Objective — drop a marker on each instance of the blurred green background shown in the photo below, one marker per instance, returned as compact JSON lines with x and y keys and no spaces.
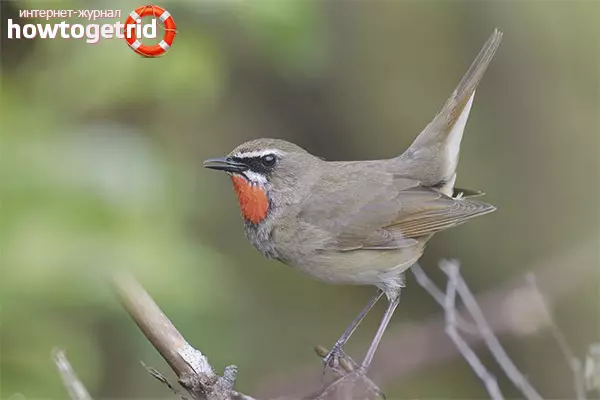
{"x":101,"y":154}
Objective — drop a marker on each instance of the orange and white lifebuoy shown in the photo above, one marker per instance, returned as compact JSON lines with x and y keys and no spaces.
{"x":167,"y":40}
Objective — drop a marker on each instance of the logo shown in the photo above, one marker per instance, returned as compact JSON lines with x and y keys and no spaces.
{"x":133,"y":31}
{"x":134,"y":21}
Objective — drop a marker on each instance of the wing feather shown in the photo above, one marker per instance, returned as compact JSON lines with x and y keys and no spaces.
{"x":393,"y":213}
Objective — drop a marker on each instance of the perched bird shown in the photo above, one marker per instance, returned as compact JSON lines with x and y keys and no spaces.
{"x":358,"y":222}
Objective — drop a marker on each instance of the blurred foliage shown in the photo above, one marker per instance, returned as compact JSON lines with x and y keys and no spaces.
{"x":101,"y":169}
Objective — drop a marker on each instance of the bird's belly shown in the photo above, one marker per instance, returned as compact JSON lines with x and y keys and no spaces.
{"x":359,"y":267}
{"x":382,"y":268}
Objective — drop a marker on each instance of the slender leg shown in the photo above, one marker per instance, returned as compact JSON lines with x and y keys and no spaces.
{"x":339,"y":344}
{"x":393,"y":303}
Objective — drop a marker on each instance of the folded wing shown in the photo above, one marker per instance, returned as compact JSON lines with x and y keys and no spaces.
{"x":388,"y":216}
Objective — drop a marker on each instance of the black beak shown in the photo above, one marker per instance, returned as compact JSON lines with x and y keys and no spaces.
{"x":225,"y":164}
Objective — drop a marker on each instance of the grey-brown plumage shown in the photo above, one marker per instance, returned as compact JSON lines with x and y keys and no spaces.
{"x":359,"y":222}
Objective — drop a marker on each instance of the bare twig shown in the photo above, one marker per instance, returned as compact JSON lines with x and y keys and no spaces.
{"x":192,"y":368}
{"x":194,"y":372}
{"x":468,"y":354}
{"x":75,"y":388}
{"x":427,"y":284}
{"x":440,"y":298}
{"x":574,"y":363}
{"x":489,"y":337}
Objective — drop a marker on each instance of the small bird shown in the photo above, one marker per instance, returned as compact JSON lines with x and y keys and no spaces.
{"x":358,"y":222}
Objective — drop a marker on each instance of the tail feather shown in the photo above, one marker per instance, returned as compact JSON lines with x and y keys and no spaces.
{"x":433,"y":155}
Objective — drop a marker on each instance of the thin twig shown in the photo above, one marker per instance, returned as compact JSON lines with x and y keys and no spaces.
{"x":75,"y":388}
{"x":488,"y":379}
{"x":490,"y":338}
{"x":440,"y":298}
{"x":427,"y":284}
{"x":574,"y":363}
{"x":192,"y":368}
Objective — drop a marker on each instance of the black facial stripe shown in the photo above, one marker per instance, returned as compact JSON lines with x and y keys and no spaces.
{"x":255,"y":164}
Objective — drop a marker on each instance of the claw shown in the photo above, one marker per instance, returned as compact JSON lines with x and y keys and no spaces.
{"x":333,"y":357}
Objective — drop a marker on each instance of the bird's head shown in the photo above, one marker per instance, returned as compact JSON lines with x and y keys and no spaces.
{"x":267,"y":173}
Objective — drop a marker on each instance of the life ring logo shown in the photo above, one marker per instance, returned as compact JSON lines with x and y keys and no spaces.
{"x":133,"y":26}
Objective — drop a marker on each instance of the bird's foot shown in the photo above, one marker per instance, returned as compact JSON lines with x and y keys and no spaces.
{"x":336,"y":358}
{"x":333,"y":356}
{"x":347,"y":371}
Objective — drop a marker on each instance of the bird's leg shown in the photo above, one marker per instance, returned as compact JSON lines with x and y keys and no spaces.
{"x":337,"y":350}
{"x":392,"y":304}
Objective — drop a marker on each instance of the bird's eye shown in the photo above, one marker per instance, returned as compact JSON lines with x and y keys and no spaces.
{"x":268,"y":160}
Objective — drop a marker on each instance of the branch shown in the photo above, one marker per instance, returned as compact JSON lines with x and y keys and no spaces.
{"x":70,"y":380}
{"x":468,"y":354}
{"x":440,"y":298}
{"x":490,"y":339}
{"x":192,"y":368}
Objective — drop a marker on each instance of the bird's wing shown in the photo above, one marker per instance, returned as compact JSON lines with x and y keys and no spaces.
{"x":385,"y":211}
{"x":436,"y":215}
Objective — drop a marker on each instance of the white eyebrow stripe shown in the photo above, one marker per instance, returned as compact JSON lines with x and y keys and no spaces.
{"x":255,"y":177}
{"x":259,"y":153}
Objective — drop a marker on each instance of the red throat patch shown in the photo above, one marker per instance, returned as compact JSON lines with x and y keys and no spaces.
{"x":253,"y":200}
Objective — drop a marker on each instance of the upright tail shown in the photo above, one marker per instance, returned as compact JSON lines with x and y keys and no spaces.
{"x":433,"y":156}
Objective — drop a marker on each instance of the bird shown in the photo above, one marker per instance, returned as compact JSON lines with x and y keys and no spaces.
{"x":358,"y":222}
